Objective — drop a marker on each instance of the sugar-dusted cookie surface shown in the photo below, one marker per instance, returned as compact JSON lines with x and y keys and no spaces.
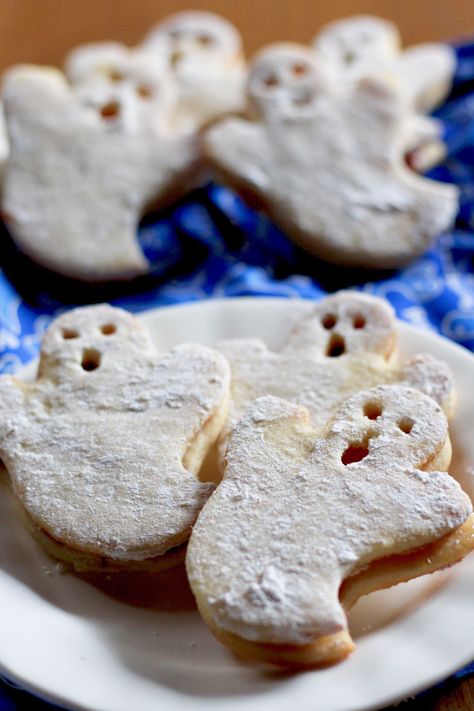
{"x":103,"y":449}
{"x":299,"y":513}
{"x":358,"y":45}
{"x":84,"y":166}
{"x":327,"y":161}
{"x":115,"y":63}
{"x":361,"y":45}
{"x":206,"y":57}
{"x":346,"y":343}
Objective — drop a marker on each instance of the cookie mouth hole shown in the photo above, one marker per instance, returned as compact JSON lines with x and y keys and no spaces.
{"x":354,"y":453}
{"x":336,"y":346}
{"x":144,"y":91}
{"x":110,"y":110}
{"x":372,"y":410}
{"x":303,"y":100}
{"x":90,"y":359}
{"x":406,"y":424}
{"x":69,"y":334}
{"x":176,"y":58}
{"x":349,"y":57}
{"x":328,"y":321}
{"x":108,"y":329}
{"x":358,"y":321}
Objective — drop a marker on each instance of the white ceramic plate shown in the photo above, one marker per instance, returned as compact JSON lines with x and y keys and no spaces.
{"x":85,"y":646}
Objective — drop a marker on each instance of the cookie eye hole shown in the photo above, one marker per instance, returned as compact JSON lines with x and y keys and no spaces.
{"x":108,"y":329}
{"x":328,"y":321}
{"x":69,"y":334}
{"x":205,"y":40}
{"x":372,"y":410}
{"x":144,"y":91}
{"x":90,"y":359}
{"x":270,"y":80}
{"x":299,"y":69}
{"x":354,"y":453}
{"x":358,"y":321}
{"x":110,"y":110}
{"x":115,"y":75}
{"x":336,"y":346}
{"x":175,"y":58}
{"x":406,"y":424}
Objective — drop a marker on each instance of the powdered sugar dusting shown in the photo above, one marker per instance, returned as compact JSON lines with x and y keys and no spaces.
{"x":303,"y":372}
{"x":95,"y":447}
{"x":291,"y":521}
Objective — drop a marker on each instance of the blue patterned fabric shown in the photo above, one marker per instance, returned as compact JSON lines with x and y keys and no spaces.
{"x":212,"y":245}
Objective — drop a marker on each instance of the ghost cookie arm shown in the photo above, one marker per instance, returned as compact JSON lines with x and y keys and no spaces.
{"x":29,"y":89}
{"x":195,"y":402}
{"x":240,"y":150}
{"x":426,"y":72}
{"x":432,"y":377}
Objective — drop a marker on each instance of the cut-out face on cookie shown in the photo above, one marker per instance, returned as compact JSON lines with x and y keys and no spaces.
{"x":296,"y":515}
{"x":196,"y":36}
{"x":112,"y":66}
{"x":205,"y":55}
{"x":83,"y":168}
{"x":103,"y":449}
{"x":354,"y":45}
{"x":298,"y":158}
{"x":346,"y":343}
{"x":361,"y":46}
{"x":286,"y":81}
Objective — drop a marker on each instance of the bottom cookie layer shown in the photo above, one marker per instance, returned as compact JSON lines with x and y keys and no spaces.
{"x":378,"y":575}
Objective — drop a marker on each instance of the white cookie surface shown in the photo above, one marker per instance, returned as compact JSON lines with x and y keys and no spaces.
{"x":347,"y":343}
{"x":205,"y":54}
{"x":103,"y":449}
{"x":84,"y":166}
{"x":328,"y":162}
{"x":365,"y":45}
{"x":296,"y":515}
{"x":352,"y":46}
{"x":356,"y":46}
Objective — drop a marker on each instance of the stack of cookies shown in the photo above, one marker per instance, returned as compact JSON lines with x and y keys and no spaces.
{"x":328,"y":138}
{"x":332,"y":456}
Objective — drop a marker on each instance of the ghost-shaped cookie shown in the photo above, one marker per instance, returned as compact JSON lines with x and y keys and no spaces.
{"x":346,"y":343}
{"x":362,"y":45}
{"x":206,"y":58}
{"x":84,"y":166}
{"x":104,"y":447}
{"x":327,"y":161}
{"x":299,"y":513}
{"x":356,"y":46}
